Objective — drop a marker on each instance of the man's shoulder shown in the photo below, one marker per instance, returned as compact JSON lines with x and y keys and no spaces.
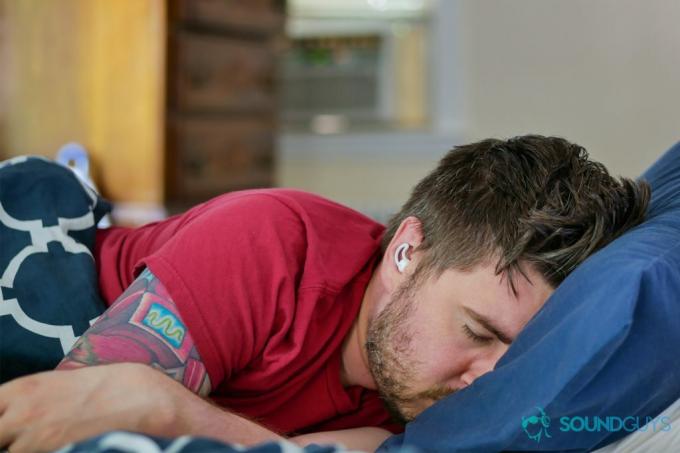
{"x":282,"y":203}
{"x":292,"y":198}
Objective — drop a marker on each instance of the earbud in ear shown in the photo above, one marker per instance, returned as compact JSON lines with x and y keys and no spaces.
{"x":400,"y":258}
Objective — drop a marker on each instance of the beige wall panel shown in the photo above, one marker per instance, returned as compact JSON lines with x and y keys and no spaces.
{"x":375,"y":186}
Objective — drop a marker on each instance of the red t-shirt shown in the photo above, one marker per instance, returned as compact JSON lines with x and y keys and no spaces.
{"x":268,"y":283}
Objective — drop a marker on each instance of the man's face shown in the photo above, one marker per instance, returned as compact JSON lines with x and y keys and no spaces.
{"x":438,"y":336}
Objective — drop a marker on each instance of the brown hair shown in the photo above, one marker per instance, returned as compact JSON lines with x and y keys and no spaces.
{"x":529,"y":199}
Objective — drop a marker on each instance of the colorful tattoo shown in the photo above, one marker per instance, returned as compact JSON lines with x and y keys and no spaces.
{"x":165,"y":323}
{"x":143,"y":325}
{"x":151,"y":315}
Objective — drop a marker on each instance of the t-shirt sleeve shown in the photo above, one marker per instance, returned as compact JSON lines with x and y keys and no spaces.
{"x":228,"y":270}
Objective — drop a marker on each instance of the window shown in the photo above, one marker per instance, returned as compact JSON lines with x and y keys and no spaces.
{"x":356,"y":66}
{"x":369,"y":74}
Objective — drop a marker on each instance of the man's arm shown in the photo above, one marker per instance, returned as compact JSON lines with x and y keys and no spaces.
{"x":45,"y":411}
{"x":143,"y":325}
{"x":48,"y":410}
{"x":362,"y":439}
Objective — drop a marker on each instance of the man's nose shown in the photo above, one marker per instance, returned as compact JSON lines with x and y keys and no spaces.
{"x":482,"y":364}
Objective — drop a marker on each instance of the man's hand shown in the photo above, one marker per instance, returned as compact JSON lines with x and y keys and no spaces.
{"x":45,"y":411}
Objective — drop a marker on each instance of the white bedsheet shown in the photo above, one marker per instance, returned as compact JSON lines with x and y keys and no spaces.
{"x":648,"y":440}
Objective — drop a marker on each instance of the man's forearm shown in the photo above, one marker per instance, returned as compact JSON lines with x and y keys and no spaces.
{"x":366,"y":438}
{"x":45,"y":411}
{"x":180,"y":412}
{"x":191,"y":414}
{"x":200,"y":417}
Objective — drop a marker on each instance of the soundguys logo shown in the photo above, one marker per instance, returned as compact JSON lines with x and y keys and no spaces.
{"x":537,"y":426}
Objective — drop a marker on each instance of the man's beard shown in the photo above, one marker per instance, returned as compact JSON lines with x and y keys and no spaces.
{"x":390,"y":360}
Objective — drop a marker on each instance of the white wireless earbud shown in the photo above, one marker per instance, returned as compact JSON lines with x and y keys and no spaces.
{"x":400,"y":258}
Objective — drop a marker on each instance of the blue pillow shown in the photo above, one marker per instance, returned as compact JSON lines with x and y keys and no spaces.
{"x":596,"y":363}
{"x":48,"y":281}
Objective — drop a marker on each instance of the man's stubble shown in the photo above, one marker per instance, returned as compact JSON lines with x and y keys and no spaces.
{"x":390,"y":356}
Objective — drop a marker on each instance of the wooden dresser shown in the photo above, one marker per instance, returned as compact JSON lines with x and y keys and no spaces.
{"x":221,"y":97}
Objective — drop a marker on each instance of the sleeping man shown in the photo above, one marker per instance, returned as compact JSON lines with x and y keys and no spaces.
{"x":282,"y":314}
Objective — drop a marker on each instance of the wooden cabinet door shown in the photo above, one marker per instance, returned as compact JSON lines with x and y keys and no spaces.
{"x":214,"y":155}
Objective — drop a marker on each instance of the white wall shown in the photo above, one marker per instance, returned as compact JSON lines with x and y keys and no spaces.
{"x":605,"y":74}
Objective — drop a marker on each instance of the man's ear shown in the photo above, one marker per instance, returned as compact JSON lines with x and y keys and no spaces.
{"x":401,"y":258}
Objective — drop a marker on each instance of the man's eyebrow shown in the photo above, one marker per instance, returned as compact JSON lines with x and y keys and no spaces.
{"x":489,"y":325}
